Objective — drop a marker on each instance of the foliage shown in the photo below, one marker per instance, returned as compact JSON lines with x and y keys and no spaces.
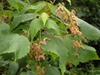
{"x":42,"y":39}
{"x":88,"y":10}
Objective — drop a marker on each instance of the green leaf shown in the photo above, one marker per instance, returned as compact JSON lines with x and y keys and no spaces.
{"x":44,"y":16}
{"x":89,"y":53}
{"x":22,"y":3}
{"x":3,"y":63}
{"x":86,"y":54}
{"x":50,"y":47}
{"x":21,"y":29}
{"x":17,"y":4}
{"x":8,"y":13}
{"x":33,"y":8}
{"x":35,"y":26}
{"x":19,"y":45}
{"x":50,"y":24}
{"x":88,"y":30}
{"x":54,"y":55}
{"x":20,"y":62}
{"x":53,"y":9}
{"x":27,"y":8}
{"x":21,"y":18}
{"x":27,"y":73}
{"x":4,"y":29}
{"x":13,"y":3}
{"x":39,"y":6}
{"x":50,"y":70}
{"x":13,"y":68}
{"x":7,"y":56}
{"x":69,"y":1}
{"x":56,"y":46}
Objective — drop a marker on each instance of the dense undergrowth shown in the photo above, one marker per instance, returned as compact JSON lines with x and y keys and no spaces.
{"x":44,"y":38}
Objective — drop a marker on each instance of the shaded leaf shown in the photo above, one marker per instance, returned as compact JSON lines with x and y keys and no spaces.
{"x":53,"y":9}
{"x":27,"y":8}
{"x":13,"y":68}
{"x":35,"y":26}
{"x":8,"y":13}
{"x":50,"y":70}
{"x":3,"y":63}
{"x":20,"y":62}
{"x":7,"y":56}
{"x":50,"y":24}
{"x":19,"y":45}
{"x":27,"y":73}
{"x":88,"y":30}
{"x":21,"y":18}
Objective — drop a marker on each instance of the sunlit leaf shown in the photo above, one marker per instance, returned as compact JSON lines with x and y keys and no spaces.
{"x":21,"y":18}
{"x":44,"y":16}
{"x":19,"y":45}
{"x":35,"y":26}
{"x":17,"y":4}
{"x":39,"y":6}
{"x":56,"y":46}
{"x":88,"y":30}
{"x":69,"y":1}
{"x":53,"y":10}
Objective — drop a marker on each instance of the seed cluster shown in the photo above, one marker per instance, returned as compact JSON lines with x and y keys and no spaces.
{"x":37,"y":53}
{"x":71,"y":19}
